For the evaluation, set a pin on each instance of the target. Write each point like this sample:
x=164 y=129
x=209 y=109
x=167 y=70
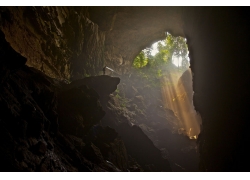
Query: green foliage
x=123 y=102
x=86 y=75
x=152 y=67
x=176 y=46
x=117 y=91
x=159 y=73
x=140 y=60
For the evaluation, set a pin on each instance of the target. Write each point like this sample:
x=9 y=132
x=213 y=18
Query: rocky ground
x=49 y=125
x=139 y=103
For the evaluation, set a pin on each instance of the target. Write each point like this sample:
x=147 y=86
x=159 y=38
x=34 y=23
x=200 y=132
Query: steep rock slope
x=45 y=128
x=138 y=145
x=140 y=102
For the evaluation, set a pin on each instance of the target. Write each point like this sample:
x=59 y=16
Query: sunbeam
x=177 y=97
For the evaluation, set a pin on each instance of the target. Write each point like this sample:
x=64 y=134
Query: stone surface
x=221 y=74
x=139 y=103
x=138 y=145
x=74 y=42
x=79 y=109
x=60 y=41
x=33 y=132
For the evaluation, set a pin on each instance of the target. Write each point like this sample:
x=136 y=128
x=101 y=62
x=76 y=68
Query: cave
x=59 y=113
x=158 y=90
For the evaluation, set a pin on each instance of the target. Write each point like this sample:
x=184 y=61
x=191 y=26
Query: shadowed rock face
x=47 y=125
x=10 y=61
x=220 y=65
x=137 y=144
x=72 y=42
x=37 y=121
x=79 y=109
x=79 y=104
x=142 y=149
x=103 y=85
x=59 y=41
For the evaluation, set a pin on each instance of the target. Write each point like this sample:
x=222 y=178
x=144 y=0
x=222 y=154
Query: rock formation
x=43 y=128
x=70 y=43
x=48 y=125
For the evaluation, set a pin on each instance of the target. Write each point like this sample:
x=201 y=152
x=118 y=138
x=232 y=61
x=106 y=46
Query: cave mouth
x=168 y=62
x=74 y=42
x=157 y=95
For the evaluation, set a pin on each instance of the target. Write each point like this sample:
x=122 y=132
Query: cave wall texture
x=74 y=42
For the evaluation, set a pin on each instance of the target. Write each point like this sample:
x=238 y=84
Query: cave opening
x=51 y=92
x=157 y=96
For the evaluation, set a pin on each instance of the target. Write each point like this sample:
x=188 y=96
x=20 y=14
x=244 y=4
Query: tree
x=167 y=48
x=140 y=60
x=152 y=67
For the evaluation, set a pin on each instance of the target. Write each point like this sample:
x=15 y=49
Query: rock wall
x=74 y=42
x=46 y=128
x=133 y=29
x=218 y=41
x=138 y=105
x=62 y=42
x=138 y=145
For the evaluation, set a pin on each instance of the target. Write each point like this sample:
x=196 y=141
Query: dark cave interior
x=58 y=113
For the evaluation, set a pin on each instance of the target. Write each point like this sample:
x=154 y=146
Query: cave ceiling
x=71 y=42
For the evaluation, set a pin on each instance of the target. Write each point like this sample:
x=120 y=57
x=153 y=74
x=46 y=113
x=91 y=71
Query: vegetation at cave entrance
x=169 y=50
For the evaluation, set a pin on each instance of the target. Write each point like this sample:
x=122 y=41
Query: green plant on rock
x=140 y=60
x=123 y=101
